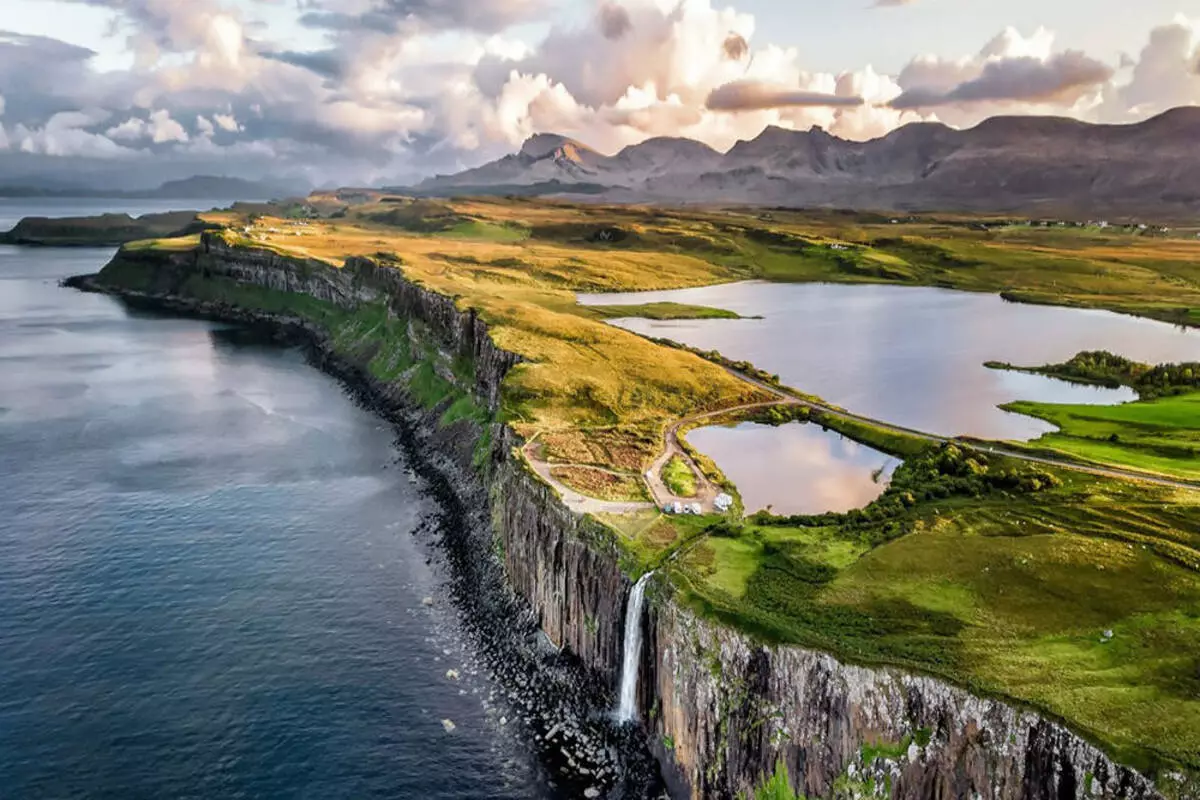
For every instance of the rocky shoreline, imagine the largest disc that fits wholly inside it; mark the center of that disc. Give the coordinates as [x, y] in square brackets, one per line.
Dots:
[560, 703]
[723, 713]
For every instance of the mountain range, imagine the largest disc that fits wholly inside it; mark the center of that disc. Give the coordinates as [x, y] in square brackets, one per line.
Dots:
[1043, 164]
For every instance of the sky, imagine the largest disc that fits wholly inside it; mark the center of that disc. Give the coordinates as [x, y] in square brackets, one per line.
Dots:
[368, 91]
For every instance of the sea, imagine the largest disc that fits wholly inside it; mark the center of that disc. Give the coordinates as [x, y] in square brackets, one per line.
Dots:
[214, 575]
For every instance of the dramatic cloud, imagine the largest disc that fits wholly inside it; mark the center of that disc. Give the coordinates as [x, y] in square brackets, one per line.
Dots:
[159, 128]
[1164, 76]
[326, 63]
[67, 134]
[750, 95]
[1064, 76]
[735, 46]
[614, 20]
[227, 122]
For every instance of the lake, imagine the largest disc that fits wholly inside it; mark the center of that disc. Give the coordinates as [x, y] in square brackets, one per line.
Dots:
[210, 584]
[796, 468]
[912, 356]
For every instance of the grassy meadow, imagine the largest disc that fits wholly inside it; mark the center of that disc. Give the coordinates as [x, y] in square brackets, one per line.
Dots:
[678, 478]
[1159, 436]
[1003, 577]
[1158, 433]
[1010, 594]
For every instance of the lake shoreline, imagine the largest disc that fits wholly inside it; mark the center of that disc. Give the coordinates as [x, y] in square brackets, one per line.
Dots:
[911, 355]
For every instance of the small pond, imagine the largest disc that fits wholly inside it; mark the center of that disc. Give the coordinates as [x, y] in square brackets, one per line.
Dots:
[911, 355]
[797, 468]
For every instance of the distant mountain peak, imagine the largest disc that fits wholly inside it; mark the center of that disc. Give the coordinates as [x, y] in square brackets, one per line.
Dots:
[670, 143]
[1181, 118]
[541, 145]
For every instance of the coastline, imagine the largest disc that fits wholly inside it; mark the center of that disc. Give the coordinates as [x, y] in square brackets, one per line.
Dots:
[732, 710]
[557, 694]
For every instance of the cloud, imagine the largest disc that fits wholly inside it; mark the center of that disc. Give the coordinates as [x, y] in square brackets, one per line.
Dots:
[614, 20]
[1013, 73]
[392, 16]
[159, 128]
[326, 63]
[227, 122]
[735, 46]
[42, 76]
[66, 134]
[207, 28]
[1164, 76]
[1060, 77]
[682, 69]
[749, 95]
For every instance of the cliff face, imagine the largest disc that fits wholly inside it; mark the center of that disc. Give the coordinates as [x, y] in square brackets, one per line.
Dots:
[733, 711]
[460, 331]
[564, 566]
[723, 711]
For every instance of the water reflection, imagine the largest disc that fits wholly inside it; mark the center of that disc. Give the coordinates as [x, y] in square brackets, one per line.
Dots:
[797, 468]
[909, 355]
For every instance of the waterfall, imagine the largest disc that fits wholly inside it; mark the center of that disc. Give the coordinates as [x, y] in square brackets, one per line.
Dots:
[632, 656]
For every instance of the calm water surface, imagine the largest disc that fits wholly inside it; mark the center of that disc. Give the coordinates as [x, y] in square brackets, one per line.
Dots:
[913, 356]
[796, 468]
[209, 583]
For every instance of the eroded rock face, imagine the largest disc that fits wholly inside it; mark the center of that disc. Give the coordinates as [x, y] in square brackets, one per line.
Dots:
[722, 710]
[459, 330]
[563, 566]
[734, 710]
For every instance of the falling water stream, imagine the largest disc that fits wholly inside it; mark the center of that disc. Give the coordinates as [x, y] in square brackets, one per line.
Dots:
[627, 705]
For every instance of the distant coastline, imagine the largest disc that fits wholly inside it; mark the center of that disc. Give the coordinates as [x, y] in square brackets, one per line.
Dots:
[197, 187]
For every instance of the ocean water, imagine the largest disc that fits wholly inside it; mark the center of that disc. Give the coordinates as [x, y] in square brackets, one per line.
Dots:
[211, 579]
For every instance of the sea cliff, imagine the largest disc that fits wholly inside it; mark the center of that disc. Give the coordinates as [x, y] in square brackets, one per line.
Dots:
[724, 713]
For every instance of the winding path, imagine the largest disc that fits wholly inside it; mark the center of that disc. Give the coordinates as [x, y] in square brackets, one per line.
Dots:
[706, 491]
